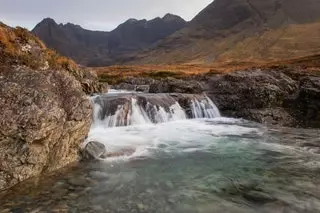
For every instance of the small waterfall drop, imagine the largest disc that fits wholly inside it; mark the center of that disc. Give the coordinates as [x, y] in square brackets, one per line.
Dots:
[114, 110]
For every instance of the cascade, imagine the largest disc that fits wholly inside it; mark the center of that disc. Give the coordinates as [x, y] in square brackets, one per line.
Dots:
[125, 109]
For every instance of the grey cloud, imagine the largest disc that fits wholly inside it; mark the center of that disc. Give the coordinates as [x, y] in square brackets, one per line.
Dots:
[94, 14]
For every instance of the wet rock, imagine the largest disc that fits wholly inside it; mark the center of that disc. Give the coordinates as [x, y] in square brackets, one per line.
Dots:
[135, 84]
[124, 86]
[93, 150]
[142, 88]
[268, 96]
[151, 103]
[77, 181]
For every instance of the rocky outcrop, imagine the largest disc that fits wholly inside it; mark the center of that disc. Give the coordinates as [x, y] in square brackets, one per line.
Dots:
[90, 83]
[45, 116]
[165, 85]
[46, 113]
[19, 47]
[287, 98]
[278, 96]
[172, 85]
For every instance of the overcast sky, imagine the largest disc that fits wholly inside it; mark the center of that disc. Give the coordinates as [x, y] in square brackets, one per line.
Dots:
[94, 14]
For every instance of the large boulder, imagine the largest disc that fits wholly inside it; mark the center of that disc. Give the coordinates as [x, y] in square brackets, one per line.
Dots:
[45, 116]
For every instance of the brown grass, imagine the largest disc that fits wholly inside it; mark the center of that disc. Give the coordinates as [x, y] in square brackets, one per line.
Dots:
[117, 74]
[268, 45]
[12, 41]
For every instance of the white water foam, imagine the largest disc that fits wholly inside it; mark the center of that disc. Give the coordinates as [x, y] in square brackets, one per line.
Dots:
[172, 137]
[132, 133]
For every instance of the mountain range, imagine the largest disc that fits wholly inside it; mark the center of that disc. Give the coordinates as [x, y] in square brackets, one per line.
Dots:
[96, 48]
[225, 30]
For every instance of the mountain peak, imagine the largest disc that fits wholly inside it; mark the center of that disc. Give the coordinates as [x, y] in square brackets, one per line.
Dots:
[171, 17]
[96, 48]
[71, 25]
[48, 21]
[131, 20]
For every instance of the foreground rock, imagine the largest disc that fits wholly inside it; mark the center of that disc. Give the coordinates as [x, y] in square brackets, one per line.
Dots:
[281, 97]
[45, 116]
[45, 110]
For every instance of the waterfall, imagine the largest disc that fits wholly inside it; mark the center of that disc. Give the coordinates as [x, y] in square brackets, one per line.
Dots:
[204, 108]
[114, 110]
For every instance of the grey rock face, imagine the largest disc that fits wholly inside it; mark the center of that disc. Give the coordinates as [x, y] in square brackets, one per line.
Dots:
[45, 116]
[167, 85]
[90, 83]
[268, 96]
[172, 85]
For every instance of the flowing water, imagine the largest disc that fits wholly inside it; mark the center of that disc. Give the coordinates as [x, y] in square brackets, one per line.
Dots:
[163, 161]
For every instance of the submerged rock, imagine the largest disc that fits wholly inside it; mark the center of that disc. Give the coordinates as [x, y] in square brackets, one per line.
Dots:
[258, 197]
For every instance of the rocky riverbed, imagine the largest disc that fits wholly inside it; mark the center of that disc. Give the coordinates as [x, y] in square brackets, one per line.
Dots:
[284, 97]
[220, 165]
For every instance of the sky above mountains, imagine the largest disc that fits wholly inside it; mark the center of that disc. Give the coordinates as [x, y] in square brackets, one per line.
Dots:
[94, 14]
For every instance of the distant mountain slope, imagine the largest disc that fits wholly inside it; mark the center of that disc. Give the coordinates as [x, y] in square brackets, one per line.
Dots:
[283, 43]
[228, 24]
[95, 48]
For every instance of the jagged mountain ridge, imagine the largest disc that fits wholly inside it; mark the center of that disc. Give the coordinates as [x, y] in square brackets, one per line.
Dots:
[225, 23]
[98, 48]
[224, 30]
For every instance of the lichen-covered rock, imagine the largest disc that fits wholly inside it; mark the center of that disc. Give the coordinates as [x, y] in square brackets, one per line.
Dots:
[45, 116]
[20, 47]
[89, 82]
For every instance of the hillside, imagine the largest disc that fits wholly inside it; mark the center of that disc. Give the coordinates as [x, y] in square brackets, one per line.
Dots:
[226, 25]
[94, 48]
[20, 48]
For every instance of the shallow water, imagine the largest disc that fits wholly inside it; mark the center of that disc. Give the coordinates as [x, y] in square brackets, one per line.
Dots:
[196, 166]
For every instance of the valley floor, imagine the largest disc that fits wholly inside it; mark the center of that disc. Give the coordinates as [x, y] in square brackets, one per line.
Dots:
[118, 73]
